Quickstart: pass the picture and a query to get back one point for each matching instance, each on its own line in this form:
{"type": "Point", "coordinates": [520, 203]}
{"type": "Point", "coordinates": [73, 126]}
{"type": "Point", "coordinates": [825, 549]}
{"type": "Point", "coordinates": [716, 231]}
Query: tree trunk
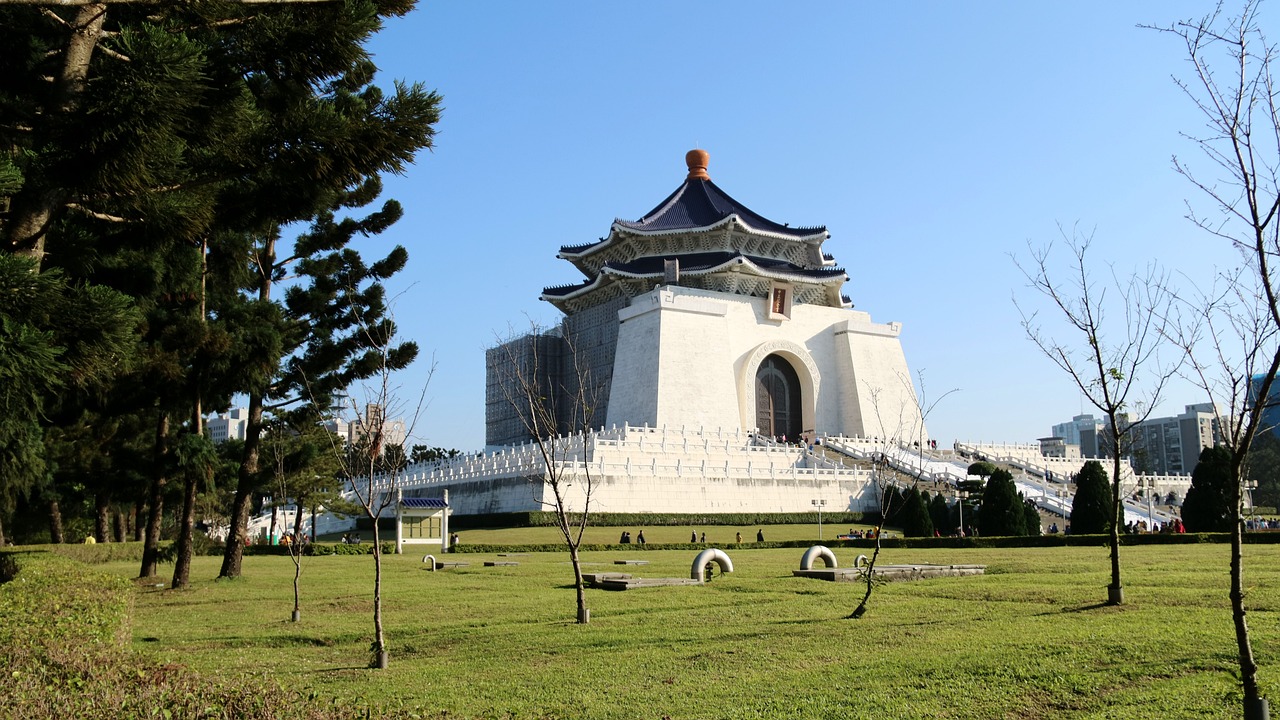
{"type": "Point", "coordinates": [3, 540]}
{"type": "Point", "coordinates": [247, 478]}
{"type": "Point", "coordinates": [55, 523]}
{"type": "Point", "coordinates": [584, 613]}
{"type": "Point", "coordinates": [139, 505]}
{"type": "Point", "coordinates": [1255, 707]}
{"type": "Point", "coordinates": [151, 543]}
{"type": "Point", "coordinates": [121, 531]}
{"type": "Point", "coordinates": [295, 549]}
{"type": "Point", "coordinates": [313, 522]}
{"type": "Point", "coordinates": [1115, 591]}
{"type": "Point", "coordinates": [32, 211]}
{"type": "Point", "coordinates": [382, 658]}
{"type": "Point", "coordinates": [182, 559]}
{"type": "Point", "coordinates": [247, 481]}
{"type": "Point", "coordinates": [102, 516]}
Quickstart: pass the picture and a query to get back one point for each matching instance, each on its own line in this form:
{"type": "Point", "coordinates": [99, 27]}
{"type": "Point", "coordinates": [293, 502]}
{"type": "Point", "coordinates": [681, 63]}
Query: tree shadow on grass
{"type": "Point", "coordinates": [1084, 608]}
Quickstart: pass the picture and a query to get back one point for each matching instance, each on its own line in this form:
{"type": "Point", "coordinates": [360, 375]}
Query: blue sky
{"type": "Point", "coordinates": [932, 139]}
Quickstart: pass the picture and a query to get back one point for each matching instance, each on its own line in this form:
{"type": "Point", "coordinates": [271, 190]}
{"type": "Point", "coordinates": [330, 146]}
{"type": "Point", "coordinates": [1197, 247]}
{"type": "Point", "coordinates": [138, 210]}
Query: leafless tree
{"type": "Point", "coordinates": [1231, 334]}
{"type": "Point", "coordinates": [887, 478]}
{"type": "Point", "coordinates": [1115, 346]}
{"type": "Point", "coordinates": [549, 387]}
{"type": "Point", "coordinates": [374, 475]}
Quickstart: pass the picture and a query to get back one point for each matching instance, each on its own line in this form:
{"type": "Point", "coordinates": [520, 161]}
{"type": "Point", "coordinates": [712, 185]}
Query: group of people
{"type": "Point", "coordinates": [1140, 527]}
{"type": "Point", "coordinates": [693, 537]}
{"type": "Point", "coordinates": [349, 539]}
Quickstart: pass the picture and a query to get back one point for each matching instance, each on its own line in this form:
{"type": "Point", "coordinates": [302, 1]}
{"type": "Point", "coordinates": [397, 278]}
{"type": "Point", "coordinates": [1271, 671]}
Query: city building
{"type": "Point", "coordinates": [1157, 446]}
{"type": "Point", "coordinates": [1172, 445]}
{"type": "Point", "coordinates": [227, 426]}
{"type": "Point", "coordinates": [1271, 409]}
{"type": "Point", "coordinates": [393, 429]}
{"type": "Point", "coordinates": [1083, 432]}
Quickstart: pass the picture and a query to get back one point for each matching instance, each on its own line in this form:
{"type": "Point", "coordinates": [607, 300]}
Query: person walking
{"type": "Point", "coordinates": [760, 535]}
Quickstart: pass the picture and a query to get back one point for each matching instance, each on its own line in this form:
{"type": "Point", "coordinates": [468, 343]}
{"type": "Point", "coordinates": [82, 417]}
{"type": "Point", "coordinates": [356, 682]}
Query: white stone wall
{"type": "Point", "coordinates": [688, 358]}
{"type": "Point", "coordinates": [649, 470]}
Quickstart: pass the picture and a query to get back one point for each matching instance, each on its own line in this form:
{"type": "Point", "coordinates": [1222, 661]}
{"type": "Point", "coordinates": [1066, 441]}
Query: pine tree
{"type": "Point", "coordinates": [940, 514]}
{"type": "Point", "coordinates": [1091, 507]}
{"type": "Point", "coordinates": [1208, 506]}
{"type": "Point", "coordinates": [1031, 516]}
{"type": "Point", "coordinates": [1001, 512]}
{"type": "Point", "coordinates": [914, 516]}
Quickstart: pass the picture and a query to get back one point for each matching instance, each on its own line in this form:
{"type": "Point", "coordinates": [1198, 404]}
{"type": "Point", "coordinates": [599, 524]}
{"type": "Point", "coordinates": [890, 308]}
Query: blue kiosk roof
{"type": "Point", "coordinates": [432, 503]}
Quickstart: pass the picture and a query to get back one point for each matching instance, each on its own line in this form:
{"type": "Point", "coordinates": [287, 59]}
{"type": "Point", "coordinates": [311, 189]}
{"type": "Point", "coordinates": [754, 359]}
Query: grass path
{"type": "Point", "coordinates": [1027, 640]}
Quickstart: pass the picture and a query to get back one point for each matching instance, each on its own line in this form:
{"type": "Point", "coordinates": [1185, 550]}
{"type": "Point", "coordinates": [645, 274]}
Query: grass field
{"type": "Point", "coordinates": [1027, 640]}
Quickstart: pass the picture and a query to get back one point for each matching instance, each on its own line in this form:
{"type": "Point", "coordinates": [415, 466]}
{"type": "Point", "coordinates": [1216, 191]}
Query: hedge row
{"type": "Point", "coordinates": [900, 542]}
{"type": "Point", "coordinates": [548, 519]}
{"type": "Point", "coordinates": [63, 654]}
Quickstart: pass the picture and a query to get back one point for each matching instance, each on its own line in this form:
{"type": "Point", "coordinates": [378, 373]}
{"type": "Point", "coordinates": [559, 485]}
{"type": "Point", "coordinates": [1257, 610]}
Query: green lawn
{"type": "Point", "coordinates": [1027, 640]}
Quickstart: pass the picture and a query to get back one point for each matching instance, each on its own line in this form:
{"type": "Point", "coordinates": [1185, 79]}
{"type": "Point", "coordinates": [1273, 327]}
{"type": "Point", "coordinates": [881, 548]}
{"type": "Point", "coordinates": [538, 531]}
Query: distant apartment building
{"type": "Point", "coordinates": [1156, 446]}
{"type": "Point", "coordinates": [1172, 445]}
{"type": "Point", "coordinates": [1084, 432]}
{"type": "Point", "coordinates": [1070, 431]}
{"type": "Point", "coordinates": [227, 426]}
{"type": "Point", "coordinates": [393, 429]}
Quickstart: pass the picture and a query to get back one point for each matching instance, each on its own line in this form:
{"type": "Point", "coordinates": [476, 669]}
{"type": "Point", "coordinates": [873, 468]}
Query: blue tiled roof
{"type": "Point", "coordinates": [423, 503]}
{"type": "Point", "coordinates": [692, 262]}
{"type": "Point", "coordinates": [695, 262]}
{"type": "Point", "coordinates": [700, 203]}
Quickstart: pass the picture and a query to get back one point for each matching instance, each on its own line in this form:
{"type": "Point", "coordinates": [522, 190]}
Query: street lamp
{"type": "Point", "coordinates": [1150, 484]}
{"type": "Point", "coordinates": [963, 495]}
{"type": "Point", "coordinates": [1249, 487]}
{"type": "Point", "coordinates": [818, 504]}
{"type": "Point", "coordinates": [1063, 494]}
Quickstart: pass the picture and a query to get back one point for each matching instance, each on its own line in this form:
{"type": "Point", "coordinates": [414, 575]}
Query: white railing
{"type": "Point", "coordinates": [630, 451]}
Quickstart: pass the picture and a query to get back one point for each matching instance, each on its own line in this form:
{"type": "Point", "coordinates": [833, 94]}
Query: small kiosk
{"type": "Point", "coordinates": [422, 521]}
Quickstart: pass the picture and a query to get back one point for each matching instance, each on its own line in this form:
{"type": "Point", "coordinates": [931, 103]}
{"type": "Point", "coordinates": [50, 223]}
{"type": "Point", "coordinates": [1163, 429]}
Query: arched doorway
{"type": "Point", "coordinates": [778, 399]}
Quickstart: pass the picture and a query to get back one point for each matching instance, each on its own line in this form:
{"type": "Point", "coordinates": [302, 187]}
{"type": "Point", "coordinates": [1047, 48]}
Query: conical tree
{"type": "Point", "coordinates": [914, 516]}
{"type": "Point", "coordinates": [1001, 512]}
{"type": "Point", "coordinates": [1091, 507]}
{"type": "Point", "coordinates": [1208, 506]}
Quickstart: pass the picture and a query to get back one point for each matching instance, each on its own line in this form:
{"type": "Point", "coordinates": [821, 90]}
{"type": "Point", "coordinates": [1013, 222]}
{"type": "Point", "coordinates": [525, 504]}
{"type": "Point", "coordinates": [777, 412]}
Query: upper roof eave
{"type": "Point", "coordinates": [570, 252]}
{"type": "Point", "coordinates": [741, 260]}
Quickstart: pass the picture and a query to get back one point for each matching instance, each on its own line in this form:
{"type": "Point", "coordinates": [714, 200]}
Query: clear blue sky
{"type": "Point", "coordinates": [932, 139]}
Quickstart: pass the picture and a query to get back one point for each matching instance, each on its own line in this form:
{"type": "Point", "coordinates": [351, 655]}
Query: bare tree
{"type": "Point", "coordinates": [1108, 356]}
{"type": "Point", "coordinates": [374, 475]}
{"type": "Point", "coordinates": [292, 459]}
{"type": "Point", "coordinates": [1232, 334]}
{"type": "Point", "coordinates": [887, 478]}
{"type": "Point", "coordinates": [548, 386]}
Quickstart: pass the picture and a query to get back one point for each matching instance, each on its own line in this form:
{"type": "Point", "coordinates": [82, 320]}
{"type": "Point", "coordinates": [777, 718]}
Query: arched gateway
{"type": "Point", "coordinates": [778, 411]}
